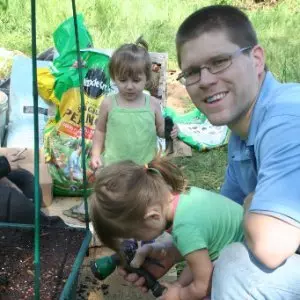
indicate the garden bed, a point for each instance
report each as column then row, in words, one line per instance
column 58, row 250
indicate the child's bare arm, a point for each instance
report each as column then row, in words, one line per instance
column 199, row 278
column 201, row 270
column 186, row 277
column 159, row 119
column 100, row 131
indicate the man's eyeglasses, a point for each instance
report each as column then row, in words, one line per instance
column 214, row 65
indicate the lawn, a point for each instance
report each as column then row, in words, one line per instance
column 113, row 22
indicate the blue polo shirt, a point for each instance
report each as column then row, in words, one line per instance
column 268, row 162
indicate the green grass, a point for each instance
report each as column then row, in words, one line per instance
column 113, row 22
column 205, row 169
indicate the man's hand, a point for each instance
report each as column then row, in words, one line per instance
column 165, row 253
column 271, row 240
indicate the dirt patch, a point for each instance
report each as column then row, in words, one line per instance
column 177, row 96
column 59, row 248
column 256, row 4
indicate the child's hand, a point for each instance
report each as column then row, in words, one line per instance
column 96, row 162
column 172, row 292
column 174, row 132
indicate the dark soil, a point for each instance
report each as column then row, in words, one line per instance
column 59, row 248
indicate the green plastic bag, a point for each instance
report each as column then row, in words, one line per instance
column 65, row 43
column 196, row 130
column 60, row 85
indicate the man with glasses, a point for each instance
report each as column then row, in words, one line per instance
column 223, row 68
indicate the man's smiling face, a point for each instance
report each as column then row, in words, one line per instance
column 224, row 97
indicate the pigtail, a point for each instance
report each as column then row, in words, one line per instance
column 141, row 42
column 172, row 175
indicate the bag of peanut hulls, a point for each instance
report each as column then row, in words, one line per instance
column 60, row 85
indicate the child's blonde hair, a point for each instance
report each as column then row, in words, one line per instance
column 124, row 190
column 129, row 60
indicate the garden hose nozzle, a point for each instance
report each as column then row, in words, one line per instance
column 106, row 265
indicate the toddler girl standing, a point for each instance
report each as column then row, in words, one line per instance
column 130, row 120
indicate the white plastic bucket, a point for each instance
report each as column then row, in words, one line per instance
column 3, row 115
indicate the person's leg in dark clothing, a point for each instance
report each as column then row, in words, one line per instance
column 24, row 180
column 17, row 208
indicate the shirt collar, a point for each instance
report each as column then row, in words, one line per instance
column 268, row 85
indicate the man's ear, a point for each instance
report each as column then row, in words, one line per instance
column 259, row 59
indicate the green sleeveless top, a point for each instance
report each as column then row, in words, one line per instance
column 130, row 134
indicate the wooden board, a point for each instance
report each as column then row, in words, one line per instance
column 162, row 60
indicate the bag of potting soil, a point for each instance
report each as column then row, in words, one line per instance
column 197, row 131
column 60, row 84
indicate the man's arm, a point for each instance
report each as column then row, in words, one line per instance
column 271, row 240
column 272, row 224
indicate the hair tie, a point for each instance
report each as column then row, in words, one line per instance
column 153, row 170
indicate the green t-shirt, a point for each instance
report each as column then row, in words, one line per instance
column 206, row 220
